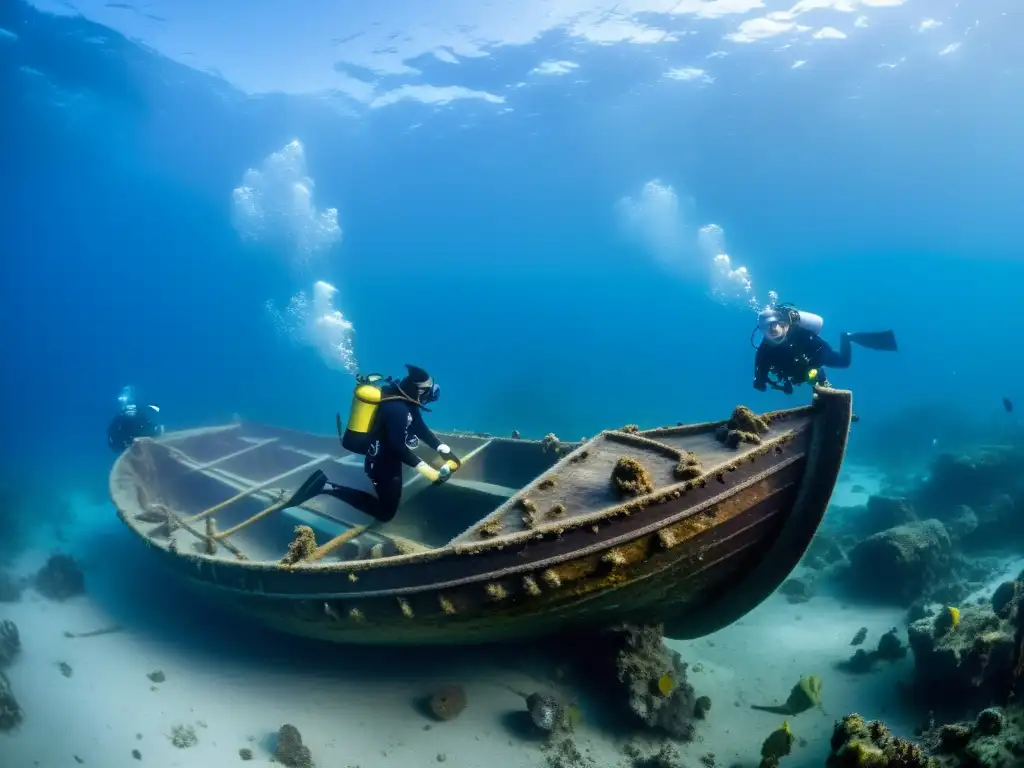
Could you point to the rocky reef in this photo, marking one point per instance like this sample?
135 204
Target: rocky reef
631 669
899 563
10 646
290 751
60 578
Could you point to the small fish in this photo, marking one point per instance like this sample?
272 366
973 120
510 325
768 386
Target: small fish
859 637
1008 405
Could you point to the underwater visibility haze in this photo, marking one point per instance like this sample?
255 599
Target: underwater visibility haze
573 217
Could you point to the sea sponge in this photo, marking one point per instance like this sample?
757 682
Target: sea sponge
630 429
302 546
545 712
290 750
550 443
745 420
448 702
689 467
630 478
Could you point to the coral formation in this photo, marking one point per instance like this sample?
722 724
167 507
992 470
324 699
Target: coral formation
302 546
183 736
857 743
10 643
10 712
805 695
550 443
290 751
447 702
60 578
899 564
630 478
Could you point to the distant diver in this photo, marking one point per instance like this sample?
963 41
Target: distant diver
795 354
131 422
385 423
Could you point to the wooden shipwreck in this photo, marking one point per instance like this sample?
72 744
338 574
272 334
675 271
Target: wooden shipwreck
690 526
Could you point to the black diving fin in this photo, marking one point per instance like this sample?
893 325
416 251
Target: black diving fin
313 486
881 341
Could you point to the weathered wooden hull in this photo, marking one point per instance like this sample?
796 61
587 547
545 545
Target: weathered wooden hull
696 557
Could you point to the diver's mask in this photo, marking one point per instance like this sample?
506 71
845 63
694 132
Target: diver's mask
428 392
774 325
126 400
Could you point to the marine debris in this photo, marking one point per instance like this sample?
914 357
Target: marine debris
744 426
447 702
805 695
290 751
60 579
157 676
858 638
65 669
95 632
631 478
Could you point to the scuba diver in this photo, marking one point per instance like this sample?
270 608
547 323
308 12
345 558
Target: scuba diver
385 424
131 422
792 350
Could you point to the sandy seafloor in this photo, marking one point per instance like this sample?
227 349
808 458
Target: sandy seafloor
237 684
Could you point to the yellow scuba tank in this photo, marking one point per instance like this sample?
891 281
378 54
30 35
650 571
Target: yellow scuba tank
366 398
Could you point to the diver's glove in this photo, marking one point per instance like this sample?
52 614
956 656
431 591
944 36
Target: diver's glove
434 475
448 456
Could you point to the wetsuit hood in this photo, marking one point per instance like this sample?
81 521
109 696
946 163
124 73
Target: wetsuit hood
419 385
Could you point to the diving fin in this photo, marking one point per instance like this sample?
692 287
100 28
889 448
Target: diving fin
882 341
313 486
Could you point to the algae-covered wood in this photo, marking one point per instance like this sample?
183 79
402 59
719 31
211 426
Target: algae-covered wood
527 538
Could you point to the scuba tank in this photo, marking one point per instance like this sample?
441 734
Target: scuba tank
366 398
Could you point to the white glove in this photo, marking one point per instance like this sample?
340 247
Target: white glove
443 449
428 471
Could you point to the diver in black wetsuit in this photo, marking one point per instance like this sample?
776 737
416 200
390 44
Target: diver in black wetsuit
793 351
394 429
131 422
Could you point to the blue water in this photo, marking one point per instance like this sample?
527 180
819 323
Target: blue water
878 184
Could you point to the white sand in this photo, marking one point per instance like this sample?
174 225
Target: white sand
237 684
